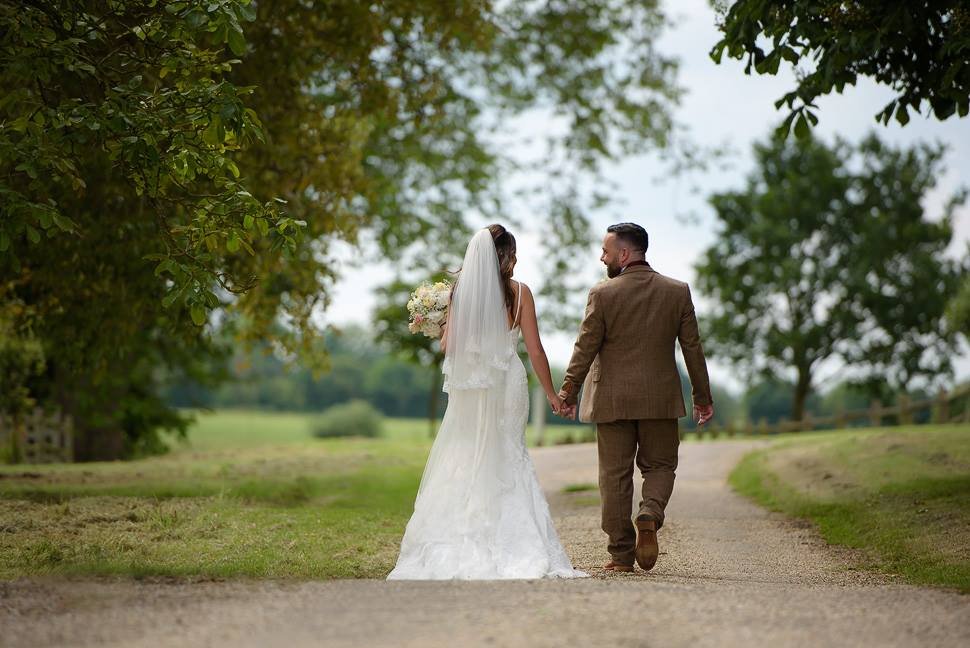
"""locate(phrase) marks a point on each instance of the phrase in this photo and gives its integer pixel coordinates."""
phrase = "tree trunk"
(104, 442)
(99, 443)
(802, 389)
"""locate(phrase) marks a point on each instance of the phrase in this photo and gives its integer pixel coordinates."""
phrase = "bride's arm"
(533, 344)
(444, 337)
(444, 326)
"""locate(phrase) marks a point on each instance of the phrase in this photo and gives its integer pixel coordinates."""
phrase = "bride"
(479, 512)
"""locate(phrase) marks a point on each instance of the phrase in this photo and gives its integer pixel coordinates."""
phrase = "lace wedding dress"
(479, 512)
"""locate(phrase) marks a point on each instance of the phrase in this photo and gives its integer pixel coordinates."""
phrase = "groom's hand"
(703, 413)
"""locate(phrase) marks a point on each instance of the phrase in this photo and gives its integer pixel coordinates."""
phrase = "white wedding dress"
(479, 511)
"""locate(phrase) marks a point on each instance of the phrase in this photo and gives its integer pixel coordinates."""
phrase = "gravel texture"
(729, 574)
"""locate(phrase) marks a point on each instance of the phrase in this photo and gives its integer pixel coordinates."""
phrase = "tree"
(120, 204)
(385, 123)
(390, 320)
(919, 49)
(769, 399)
(958, 311)
(190, 181)
(826, 254)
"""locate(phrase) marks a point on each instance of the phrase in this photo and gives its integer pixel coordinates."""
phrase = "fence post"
(806, 422)
(68, 438)
(905, 416)
(942, 414)
(763, 426)
(840, 422)
(875, 413)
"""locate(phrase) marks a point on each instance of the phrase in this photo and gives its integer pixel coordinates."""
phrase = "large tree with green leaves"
(919, 49)
(826, 254)
(121, 206)
(389, 122)
(958, 312)
(172, 168)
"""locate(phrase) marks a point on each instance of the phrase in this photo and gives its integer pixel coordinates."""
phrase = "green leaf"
(718, 51)
(198, 314)
(802, 130)
(233, 243)
(237, 43)
(165, 266)
(902, 115)
(64, 222)
(4, 241)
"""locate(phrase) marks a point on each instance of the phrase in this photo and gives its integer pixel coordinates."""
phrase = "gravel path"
(729, 574)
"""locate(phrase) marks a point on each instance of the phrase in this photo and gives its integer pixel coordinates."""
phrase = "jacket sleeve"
(588, 343)
(690, 345)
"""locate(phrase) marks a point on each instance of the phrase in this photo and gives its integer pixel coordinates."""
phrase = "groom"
(632, 391)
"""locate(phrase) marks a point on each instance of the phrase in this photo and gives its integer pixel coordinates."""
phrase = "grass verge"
(250, 494)
(902, 495)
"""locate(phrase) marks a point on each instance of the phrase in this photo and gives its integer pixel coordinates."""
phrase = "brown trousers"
(650, 444)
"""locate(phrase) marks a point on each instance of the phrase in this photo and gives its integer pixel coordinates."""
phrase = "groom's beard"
(613, 270)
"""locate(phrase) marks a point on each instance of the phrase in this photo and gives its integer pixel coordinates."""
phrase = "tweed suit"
(631, 389)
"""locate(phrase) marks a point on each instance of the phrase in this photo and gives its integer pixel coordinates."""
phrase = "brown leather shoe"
(619, 567)
(647, 550)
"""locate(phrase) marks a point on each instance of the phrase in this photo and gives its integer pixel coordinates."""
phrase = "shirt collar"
(634, 263)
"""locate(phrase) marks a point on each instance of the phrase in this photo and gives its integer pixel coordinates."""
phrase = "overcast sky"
(721, 104)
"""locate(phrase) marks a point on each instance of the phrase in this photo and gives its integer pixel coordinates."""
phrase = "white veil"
(477, 353)
(479, 511)
(468, 468)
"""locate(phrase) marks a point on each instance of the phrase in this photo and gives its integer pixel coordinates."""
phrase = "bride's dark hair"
(505, 247)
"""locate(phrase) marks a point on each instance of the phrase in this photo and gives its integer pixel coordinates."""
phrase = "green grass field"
(250, 494)
(901, 495)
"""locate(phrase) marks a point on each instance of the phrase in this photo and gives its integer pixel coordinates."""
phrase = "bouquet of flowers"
(427, 308)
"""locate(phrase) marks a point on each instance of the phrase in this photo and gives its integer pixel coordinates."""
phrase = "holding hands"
(559, 406)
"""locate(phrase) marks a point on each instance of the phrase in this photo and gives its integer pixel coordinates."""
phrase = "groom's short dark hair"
(631, 234)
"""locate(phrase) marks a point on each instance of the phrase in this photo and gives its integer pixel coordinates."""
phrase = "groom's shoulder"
(663, 281)
(664, 287)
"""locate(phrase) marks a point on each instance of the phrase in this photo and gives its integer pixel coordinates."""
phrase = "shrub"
(355, 418)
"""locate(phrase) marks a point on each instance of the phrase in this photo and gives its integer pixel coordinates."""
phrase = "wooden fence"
(945, 407)
(41, 437)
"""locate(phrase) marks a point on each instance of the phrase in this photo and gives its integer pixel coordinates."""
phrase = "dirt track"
(729, 574)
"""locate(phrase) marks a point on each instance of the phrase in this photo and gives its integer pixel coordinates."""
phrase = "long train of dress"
(480, 512)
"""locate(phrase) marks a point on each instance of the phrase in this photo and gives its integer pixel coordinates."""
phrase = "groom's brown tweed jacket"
(625, 350)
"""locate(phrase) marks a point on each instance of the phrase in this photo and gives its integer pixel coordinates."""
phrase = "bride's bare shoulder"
(522, 287)
(523, 293)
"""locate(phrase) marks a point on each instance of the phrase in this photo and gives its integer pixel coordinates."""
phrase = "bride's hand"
(557, 404)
